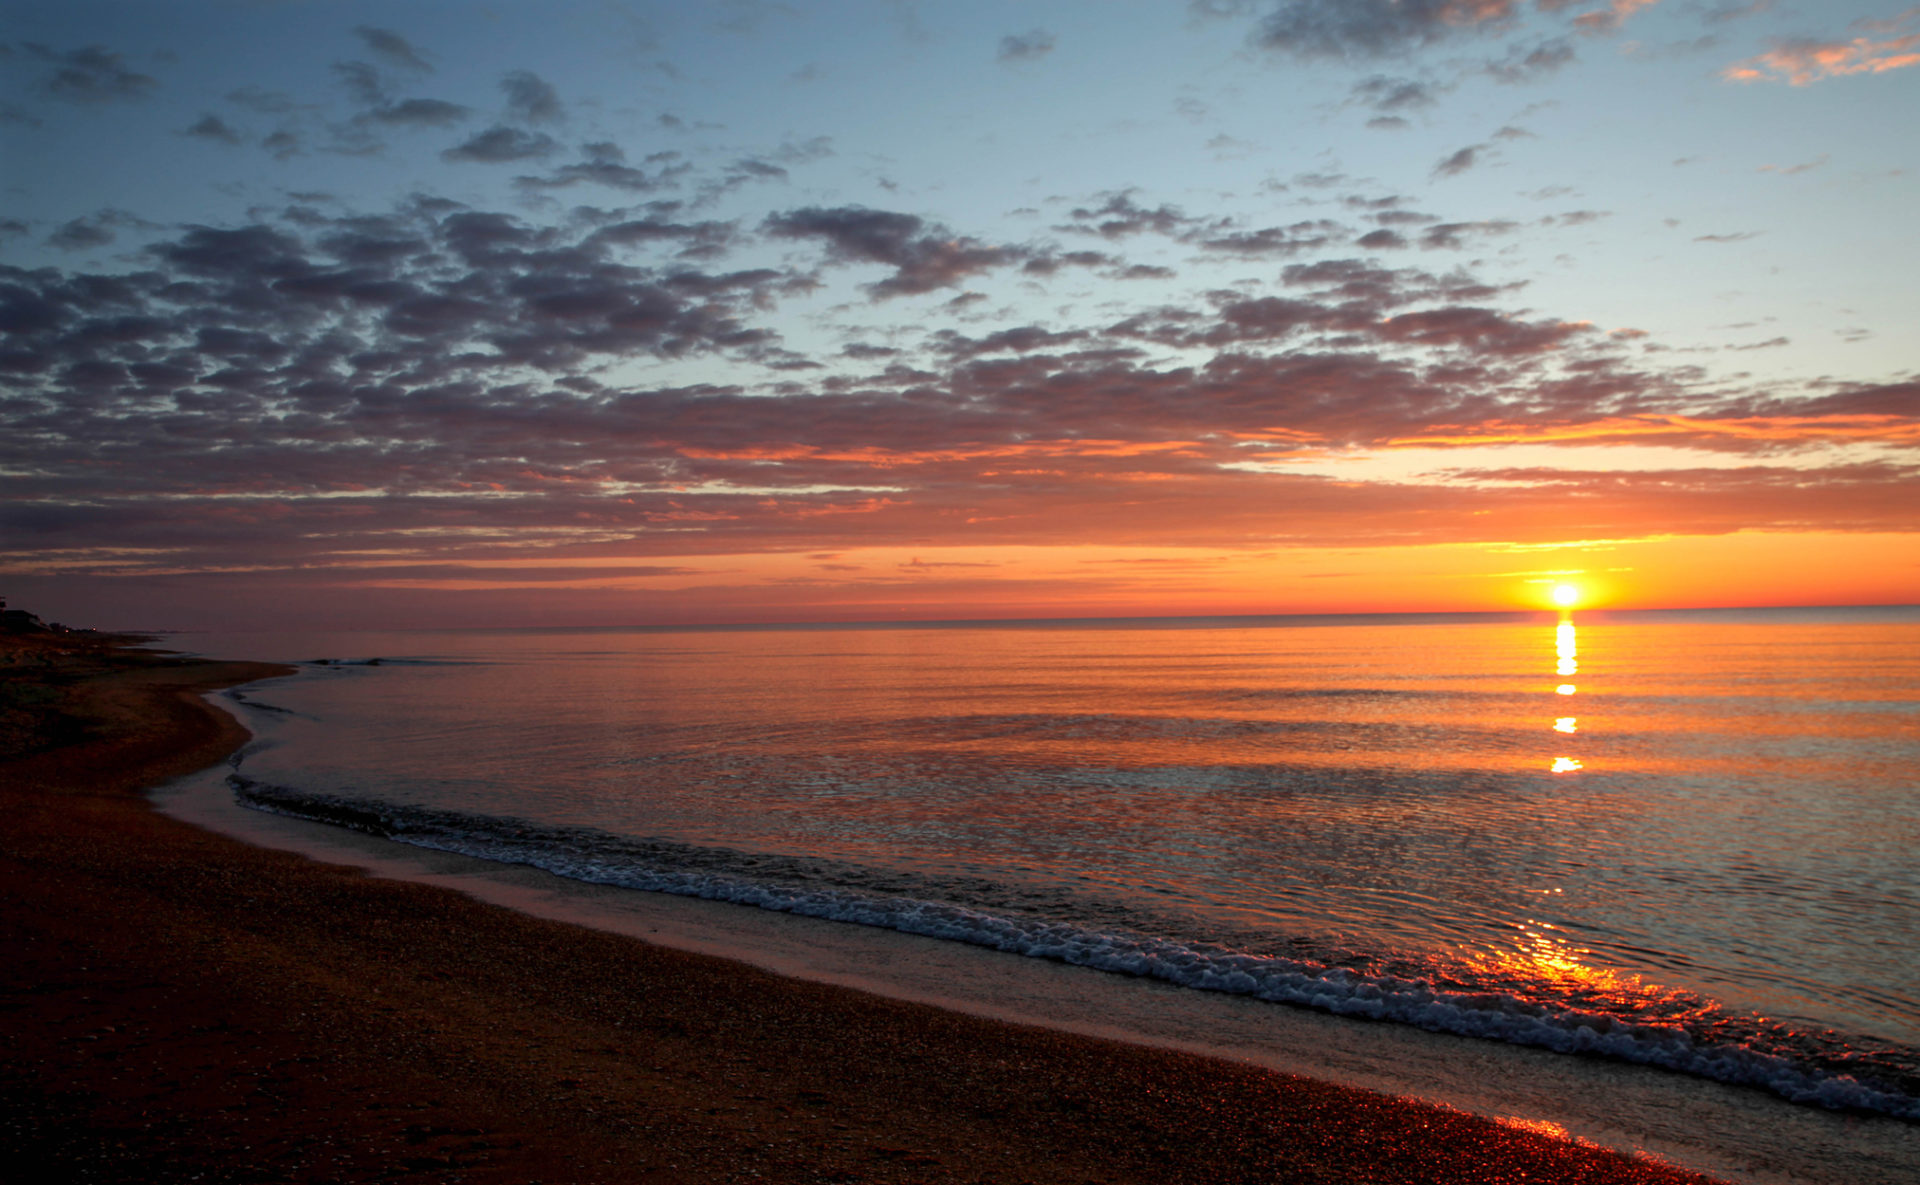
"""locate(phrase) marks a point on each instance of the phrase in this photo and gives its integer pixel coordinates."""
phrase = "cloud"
(1375, 28)
(363, 82)
(1047, 263)
(606, 164)
(1734, 237)
(1120, 217)
(1611, 17)
(431, 113)
(1734, 12)
(1530, 63)
(1460, 161)
(468, 391)
(1269, 241)
(531, 98)
(1358, 282)
(283, 144)
(392, 48)
(1478, 329)
(1455, 235)
(92, 74)
(924, 256)
(80, 234)
(96, 230)
(1384, 94)
(265, 102)
(501, 144)
(1791, 170)
(1804, 61)
(212, 127)
(1024, 340)
(1026, 47)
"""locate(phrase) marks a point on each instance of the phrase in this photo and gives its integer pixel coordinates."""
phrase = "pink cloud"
(1803, 62)
(1603, 20)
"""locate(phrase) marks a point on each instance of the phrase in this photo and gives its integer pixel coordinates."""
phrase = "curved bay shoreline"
(184, 1006)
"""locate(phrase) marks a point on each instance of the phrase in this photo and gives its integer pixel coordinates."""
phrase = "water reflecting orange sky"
(1717, 839)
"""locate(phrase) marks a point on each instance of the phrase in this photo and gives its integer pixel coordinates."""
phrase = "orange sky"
(1340, 308)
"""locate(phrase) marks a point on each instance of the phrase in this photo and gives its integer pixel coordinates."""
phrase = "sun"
(1566, 595)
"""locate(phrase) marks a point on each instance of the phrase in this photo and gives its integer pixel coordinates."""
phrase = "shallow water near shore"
(1681, 841)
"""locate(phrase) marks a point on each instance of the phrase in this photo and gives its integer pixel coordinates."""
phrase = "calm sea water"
(1683, 839)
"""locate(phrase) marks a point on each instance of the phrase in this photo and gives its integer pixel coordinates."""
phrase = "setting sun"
(1565, 595)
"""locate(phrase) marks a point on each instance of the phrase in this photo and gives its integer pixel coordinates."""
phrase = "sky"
(417, 314)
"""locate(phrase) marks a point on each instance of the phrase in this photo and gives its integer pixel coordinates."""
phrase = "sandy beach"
(182, 1006)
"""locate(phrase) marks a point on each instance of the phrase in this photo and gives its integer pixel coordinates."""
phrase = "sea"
(1684, 840)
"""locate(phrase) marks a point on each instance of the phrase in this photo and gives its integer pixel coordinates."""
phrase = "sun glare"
(1565, 595)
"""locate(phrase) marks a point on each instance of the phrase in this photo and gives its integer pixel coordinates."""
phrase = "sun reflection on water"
(1546, 967)
(1566, 648)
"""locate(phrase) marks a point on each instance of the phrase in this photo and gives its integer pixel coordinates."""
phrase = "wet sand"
(178, 1005)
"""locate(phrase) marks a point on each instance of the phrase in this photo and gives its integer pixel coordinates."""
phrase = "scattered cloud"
(391, 380)
(212, 127)
(923, 256)
(629, 357)
(1120, 217)
(283, 144)
(501, 144)
(431, 113)
(1026, 47)
(1459, 162)
(91, 74)
(1791, 170)
(1388, 95)
(1375, 28)
(1804, 61)
(263, 101)
(1457, 235)
(1530, 63)
(1611, 17)
(1724, 13)
(1382, 240)
(393, 49)
(94, 230)
(606, 164)
(531, 99)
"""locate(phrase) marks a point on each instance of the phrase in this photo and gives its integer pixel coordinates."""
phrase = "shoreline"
(186, 1004)
(1728, 1132)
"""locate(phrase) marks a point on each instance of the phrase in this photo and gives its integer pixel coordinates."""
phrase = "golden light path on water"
(1567, 651)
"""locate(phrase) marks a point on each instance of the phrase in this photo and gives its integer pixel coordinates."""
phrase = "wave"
(1839, 1081)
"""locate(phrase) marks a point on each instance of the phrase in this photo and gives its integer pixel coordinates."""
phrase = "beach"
(182, 1006)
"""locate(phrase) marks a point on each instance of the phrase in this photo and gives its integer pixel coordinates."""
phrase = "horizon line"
(1170, 620)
